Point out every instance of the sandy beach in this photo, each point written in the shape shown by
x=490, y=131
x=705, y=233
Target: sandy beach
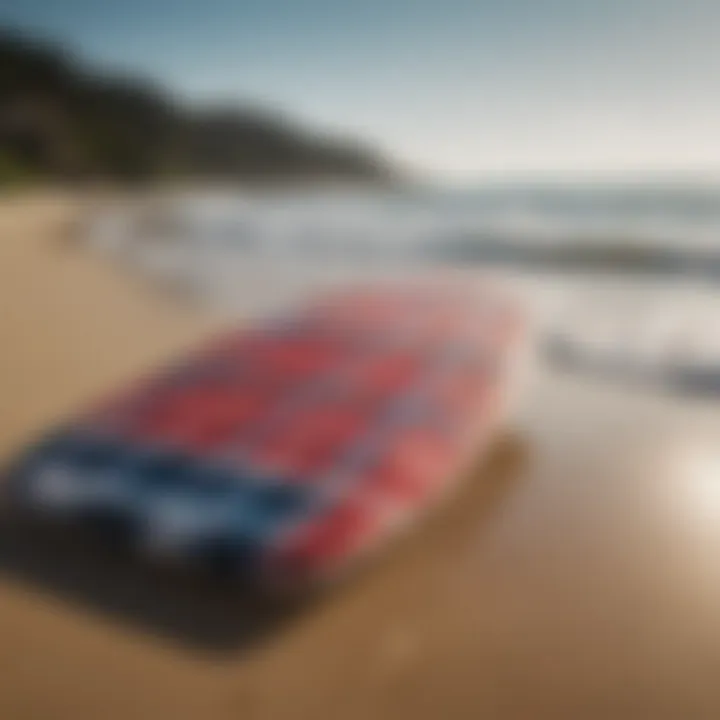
x=71, y=327
x=576, y=577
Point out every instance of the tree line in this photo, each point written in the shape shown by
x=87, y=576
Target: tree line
x=61, y=119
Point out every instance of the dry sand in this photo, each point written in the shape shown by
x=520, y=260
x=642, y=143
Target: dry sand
x=576, y=577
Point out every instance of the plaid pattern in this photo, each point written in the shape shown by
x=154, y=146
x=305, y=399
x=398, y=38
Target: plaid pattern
x=286, y=450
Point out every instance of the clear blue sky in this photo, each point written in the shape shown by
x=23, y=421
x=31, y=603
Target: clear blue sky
x=463, y=89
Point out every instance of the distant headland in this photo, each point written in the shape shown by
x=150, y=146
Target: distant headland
x=60, y=119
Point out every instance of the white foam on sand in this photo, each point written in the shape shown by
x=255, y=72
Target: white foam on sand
x=245, y=255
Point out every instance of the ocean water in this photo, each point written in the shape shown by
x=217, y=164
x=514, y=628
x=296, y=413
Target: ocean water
x=403, y=219
x=626, y=278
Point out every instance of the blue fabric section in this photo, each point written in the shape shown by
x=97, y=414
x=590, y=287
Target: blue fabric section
x=230, y=517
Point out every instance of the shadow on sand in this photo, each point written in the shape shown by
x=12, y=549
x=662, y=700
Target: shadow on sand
x=204, y=616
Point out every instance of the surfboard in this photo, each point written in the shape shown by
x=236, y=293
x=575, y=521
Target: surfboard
x=283, y=452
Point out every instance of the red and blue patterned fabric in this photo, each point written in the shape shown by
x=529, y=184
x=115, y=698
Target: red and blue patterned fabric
x=284, y=451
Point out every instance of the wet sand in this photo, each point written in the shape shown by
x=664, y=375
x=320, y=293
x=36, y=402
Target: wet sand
x=576, y=576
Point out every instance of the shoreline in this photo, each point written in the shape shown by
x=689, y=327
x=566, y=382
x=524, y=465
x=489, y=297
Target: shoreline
x=72, y=325
x=590, y=540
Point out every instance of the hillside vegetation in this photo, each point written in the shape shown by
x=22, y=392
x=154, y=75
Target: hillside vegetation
x=61, y=119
